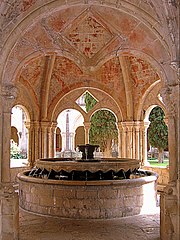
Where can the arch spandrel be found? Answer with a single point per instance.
(150, 97)
(104, 101)
(25, 99)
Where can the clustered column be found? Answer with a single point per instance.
(170, 200)
(133, 140)
(41, 140)
(9, 201)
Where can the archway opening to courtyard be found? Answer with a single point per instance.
(69, 122)
(157, 136)
(126, 52)
(19, 137)
(103, 132)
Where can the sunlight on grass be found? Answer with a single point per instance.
(154, 162)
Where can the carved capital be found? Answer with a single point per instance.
(176, 67)
(9, 93)
(171, 189)
(87, 125)
(6, 189)
(170, 96)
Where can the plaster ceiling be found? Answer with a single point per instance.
(80, 47)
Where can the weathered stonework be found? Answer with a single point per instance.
(9, 212)
(87, 200)
(124, 52)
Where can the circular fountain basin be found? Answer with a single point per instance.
(92, 165)
(95, 199)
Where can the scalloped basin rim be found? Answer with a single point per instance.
(103, 165)
(141, 180)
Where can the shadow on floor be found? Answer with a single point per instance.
(38, 227)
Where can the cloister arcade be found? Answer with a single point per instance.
(124, 53)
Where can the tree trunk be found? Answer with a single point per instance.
(161, 156)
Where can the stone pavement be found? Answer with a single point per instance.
(37, 227)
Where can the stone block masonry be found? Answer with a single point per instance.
(87, 200)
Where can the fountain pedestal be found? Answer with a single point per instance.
(87, 151)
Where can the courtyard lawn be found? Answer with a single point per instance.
(154, 162)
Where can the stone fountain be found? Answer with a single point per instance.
(87, 188)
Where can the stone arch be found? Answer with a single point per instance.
(26, 99)
(104, 108)
(155, 100)
(25, 110)
(73, 96)
(148, 111)
(127, 6)
(161, 42)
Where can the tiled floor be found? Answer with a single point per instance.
(141, 227)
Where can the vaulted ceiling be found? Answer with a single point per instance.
(67, 47)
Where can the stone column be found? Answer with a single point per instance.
(71, 140)
(144, 144)
(63, 136)
(30, 153)
(37, 140)
(119, 127)
(87, 126)
(44, 139)
(52, 140)
(124, 140)
(170, 198)
(132, 139)
(137, 141)
(130, 143)
(9, 201)
(9, 212)
(33, 142)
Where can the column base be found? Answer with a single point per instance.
(169, 214)
(9, 212)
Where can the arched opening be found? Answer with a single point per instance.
(85, 59)
(157, 136)
(19, 137)
(157, 146)
(68, 121)
(103, 132)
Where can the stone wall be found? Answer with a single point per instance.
(15, 171)
(87, 200)
(163, 176)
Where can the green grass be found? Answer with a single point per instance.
(154, 162)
